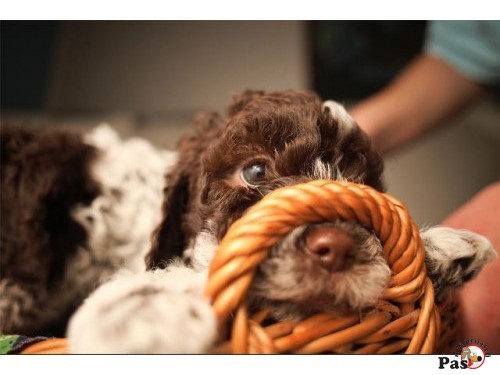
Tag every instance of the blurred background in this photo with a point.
(149, 78)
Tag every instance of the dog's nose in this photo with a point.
(330, 247)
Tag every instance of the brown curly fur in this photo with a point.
(289, 130)
(44, 174)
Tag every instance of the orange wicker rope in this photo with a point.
(50, 346)
(406, 319)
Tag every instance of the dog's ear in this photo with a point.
(358, 155)
(181, 192)
(465, 353)
(168, 239)
(239, 101)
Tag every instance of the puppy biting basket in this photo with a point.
(406, 319)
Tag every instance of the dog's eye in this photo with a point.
(254, 173)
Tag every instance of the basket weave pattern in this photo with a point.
(406, 318)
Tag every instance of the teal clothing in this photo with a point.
(471, 47)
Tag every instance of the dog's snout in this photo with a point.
(330, 247)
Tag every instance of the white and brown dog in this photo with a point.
(225, 166)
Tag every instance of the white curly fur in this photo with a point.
(120, 221)
(337, 111)
(161, 311)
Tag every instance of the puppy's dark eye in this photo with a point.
(254, 173)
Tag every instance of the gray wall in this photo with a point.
(438, 173)
(173, 66)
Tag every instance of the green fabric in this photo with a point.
(7, 342)
(12, 344)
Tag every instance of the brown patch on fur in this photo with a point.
(44, 174)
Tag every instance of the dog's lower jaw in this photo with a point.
(349, 294)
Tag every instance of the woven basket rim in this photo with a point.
(248, 240)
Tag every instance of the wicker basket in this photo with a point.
(406, 319)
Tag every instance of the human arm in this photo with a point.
(425, 94)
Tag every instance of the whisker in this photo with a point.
(260, 192)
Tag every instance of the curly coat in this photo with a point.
(289, 130)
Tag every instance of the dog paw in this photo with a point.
(453, 257)
(141, 314)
